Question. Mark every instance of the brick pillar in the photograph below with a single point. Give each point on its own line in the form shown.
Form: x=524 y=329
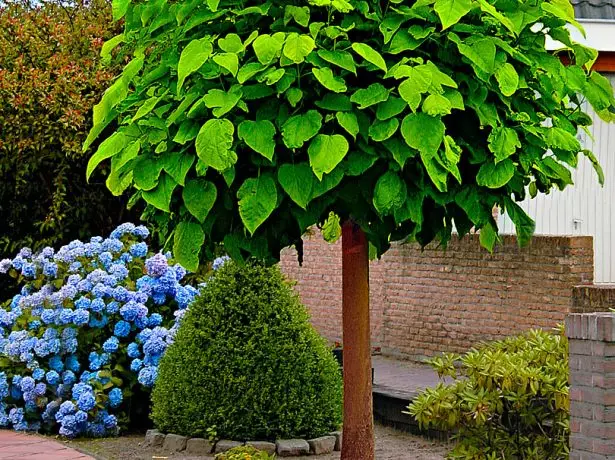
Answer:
x=592 y=385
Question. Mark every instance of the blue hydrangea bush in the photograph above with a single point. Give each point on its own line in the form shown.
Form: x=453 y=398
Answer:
x=87 y=332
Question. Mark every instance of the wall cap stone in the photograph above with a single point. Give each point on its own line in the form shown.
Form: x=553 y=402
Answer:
x=599 y=326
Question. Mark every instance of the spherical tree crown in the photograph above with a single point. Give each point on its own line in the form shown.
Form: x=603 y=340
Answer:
x=247 y=122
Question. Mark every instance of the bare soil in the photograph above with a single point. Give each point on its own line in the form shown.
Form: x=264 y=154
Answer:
x=391 y=444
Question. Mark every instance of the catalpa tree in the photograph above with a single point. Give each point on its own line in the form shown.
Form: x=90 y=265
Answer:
x=248 y=122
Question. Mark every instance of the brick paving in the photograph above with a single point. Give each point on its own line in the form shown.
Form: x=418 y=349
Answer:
x=32 y=447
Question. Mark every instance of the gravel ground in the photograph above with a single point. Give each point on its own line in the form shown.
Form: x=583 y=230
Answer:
x=391 y=444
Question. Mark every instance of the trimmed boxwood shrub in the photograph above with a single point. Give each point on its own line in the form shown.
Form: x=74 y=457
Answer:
x=247 y=364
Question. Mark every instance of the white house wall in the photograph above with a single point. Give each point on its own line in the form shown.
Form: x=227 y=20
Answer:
x=584 y=208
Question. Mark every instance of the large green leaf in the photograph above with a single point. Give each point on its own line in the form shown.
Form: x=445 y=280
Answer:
x=301 y=128
x=177 y=164
x=119 y=8
x=113 y=145
x=194 y=55
x=297 y=180
x=372 y=95
x=348 y=121
x=328 y=80
x=258 y=135
x=214 y=142
x=503 y=142
x=257 y=200
x=228 y=61
x=160 y=197
x=380 y=130
x=222 y=102
x=199 y=197
x=390 y=193
x=147 y=169
x=326 y=152
x=370 y=55
x=298 y=47
x=341 y=59
x=188 y=240
x=508 y=79
x=494 y=175
x=481 y=53
x=268 y=47
x=423 y=132
x=524 y=225
x=451 y=11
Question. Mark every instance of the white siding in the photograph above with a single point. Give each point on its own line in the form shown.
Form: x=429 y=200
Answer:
x=584 y=208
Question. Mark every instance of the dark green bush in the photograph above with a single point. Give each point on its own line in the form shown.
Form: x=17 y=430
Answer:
x=510 y=399
x=247 y=364
x=50 y=78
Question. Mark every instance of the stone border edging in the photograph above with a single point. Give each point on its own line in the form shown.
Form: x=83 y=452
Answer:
x=282 y=447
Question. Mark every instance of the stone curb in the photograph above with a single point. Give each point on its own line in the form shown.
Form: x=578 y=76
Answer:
x=282 y=447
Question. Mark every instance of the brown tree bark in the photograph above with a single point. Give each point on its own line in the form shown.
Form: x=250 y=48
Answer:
x=358 y=437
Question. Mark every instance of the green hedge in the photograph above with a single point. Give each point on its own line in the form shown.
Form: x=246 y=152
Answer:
x=247 y=364
x=50 y=78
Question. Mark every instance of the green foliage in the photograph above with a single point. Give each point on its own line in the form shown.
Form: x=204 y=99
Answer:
x=50 y=78
x=246 y=364
x=407 y=118
x=509 y=400
x=244 y=453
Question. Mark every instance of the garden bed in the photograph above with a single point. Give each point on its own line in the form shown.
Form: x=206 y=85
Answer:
x=391 y=444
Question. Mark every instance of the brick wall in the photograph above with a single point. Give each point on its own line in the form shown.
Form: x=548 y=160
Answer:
x=592 y=385
x=426 y=302
x=587 y=299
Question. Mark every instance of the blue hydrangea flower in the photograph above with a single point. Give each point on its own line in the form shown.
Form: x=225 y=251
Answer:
x=156 y=266
x=138 y=250
x=115 y=397
x=140 y=232
x=53 y=378
x=111 y=344
x=133 y=350
x=147 y=376
x=81 y=317
x=38 y=374
x=121 y=329
x=50 y=269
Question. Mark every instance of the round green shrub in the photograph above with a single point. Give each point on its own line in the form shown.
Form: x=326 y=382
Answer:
x=247 y=364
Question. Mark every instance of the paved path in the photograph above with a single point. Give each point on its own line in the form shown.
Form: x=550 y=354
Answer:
x=402 y=378
x=32 y=447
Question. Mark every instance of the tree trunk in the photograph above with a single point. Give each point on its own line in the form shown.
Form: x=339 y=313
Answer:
x=358 y=437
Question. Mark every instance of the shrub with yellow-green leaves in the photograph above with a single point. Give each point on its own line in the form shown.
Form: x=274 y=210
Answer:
x=509 y=398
